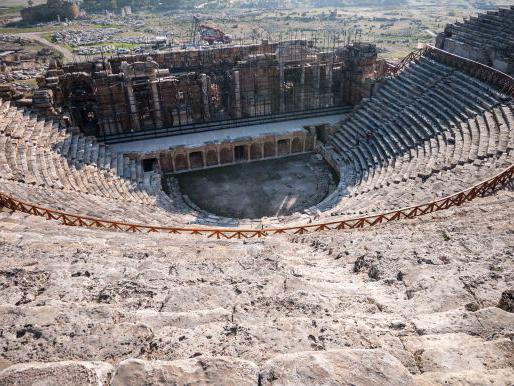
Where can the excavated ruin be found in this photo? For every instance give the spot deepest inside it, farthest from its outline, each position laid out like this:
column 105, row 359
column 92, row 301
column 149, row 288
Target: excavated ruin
column 111, row 276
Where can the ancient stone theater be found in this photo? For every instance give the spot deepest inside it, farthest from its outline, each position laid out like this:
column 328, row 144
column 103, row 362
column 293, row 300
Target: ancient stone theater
column 271, row 213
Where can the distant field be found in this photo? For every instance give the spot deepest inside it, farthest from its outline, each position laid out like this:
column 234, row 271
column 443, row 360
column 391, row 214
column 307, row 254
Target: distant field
column 395, row 29
column 11, row 3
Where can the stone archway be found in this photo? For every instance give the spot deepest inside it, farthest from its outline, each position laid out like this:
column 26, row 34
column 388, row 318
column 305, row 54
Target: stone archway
column 181, row 162
column 269, row 149
column 283, row 147
column 226, row 156
column 241, row 153
column 255, row 151
column 297, row 145
column 78, row 90
column 211, row 158
column 196, row 159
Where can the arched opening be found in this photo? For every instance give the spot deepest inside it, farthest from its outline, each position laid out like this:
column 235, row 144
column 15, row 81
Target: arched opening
column 196, row 159
column 82, row 102
column 180, row 162
column 226, row 156
column 297, row 145
column 269, row 149
column 149, row 164
column 283, row 146
column 241, row 153
column 255, row 151
column 212, row 158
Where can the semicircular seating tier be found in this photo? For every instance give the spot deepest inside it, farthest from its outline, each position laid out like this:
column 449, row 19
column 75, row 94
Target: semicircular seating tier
column 428, row 132
column 65, row 170
column 487, row 38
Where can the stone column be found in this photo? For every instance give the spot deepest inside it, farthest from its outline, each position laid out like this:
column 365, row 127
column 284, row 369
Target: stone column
column 282, row 89
column 133, row 107
column 316, row 75
column 302, row 87
column 237, row 95
column 328, row 72
column 156, row 105
column 205, row 98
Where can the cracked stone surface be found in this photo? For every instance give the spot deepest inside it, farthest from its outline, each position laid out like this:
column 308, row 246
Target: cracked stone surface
column 422, row 301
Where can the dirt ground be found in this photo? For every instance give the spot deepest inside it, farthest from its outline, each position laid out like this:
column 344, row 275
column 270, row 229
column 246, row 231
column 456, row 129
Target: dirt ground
column 267, row 188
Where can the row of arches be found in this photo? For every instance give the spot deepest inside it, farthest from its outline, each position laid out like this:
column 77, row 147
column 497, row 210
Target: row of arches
column 224, row 155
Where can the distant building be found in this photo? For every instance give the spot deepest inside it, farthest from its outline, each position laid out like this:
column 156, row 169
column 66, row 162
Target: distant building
column 51, row 11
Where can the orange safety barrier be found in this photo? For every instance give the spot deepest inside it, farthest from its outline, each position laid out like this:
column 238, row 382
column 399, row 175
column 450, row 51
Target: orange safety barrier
column 228, row 233
column 475, row 69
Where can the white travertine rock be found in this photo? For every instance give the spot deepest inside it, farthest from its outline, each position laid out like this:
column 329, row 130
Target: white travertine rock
column 199, row 371
column 337, row 367
column 67, row 373
column 498, row 377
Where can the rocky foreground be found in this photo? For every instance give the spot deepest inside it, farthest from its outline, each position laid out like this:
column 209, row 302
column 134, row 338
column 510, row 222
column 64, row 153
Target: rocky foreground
column 418, row 302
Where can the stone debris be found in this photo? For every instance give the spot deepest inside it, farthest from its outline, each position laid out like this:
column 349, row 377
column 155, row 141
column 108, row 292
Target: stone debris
column 66, row 373
column 507, row 301
column 284, row 310
column 337, row 367
column 198, row 371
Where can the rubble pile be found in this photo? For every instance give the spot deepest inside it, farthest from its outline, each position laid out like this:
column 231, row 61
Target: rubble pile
column 8, row 38
column 85, row 37
column 95, row 41
column 7, row 91
column 43, row 101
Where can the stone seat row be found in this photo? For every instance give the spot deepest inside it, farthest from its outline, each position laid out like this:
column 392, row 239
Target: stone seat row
column 415, row 191
column 65, row 170
column 492, row 29
column 482, row 136
column 94, row 205
column 482, row 43
column 401, row 116
column 429, row 121
column 38, row 152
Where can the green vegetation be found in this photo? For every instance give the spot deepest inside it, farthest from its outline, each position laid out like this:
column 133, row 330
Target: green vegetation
column 13, row 10
column 395, row 28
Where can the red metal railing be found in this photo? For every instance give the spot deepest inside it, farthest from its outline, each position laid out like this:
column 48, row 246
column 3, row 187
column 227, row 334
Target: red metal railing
column 228, row 233
column 478, row 70
column 393, row 70
column 490, row 75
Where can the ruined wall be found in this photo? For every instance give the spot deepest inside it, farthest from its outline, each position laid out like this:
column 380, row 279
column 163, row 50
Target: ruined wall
column 230, row 151
column 207, row 89
column 51, row 11
column 360, row 68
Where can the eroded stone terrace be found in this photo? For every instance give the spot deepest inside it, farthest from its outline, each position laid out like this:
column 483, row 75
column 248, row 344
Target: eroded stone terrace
column 424, row 291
